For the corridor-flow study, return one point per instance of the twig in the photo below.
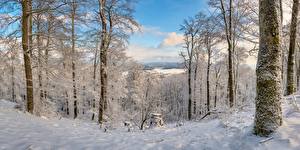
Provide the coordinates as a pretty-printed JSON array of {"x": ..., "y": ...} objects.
[
  {"x": 205, "y": 115},
  {"x": 265, "y": 140}
]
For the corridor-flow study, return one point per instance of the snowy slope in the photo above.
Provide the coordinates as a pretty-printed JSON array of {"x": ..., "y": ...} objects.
[{"x": 24, "y": 131}]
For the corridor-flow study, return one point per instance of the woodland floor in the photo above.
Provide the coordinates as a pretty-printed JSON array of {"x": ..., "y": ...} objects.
[{"x": 20, "y": 131}]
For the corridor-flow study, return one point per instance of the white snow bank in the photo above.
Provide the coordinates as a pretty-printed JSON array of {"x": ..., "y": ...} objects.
[{"x": 234, "y": 132}]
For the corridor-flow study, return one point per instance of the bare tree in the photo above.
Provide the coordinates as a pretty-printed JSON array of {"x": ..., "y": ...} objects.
[
  {"x": 191, "y": 30},
  {"x": 116, "y": 20},
  {"x": 210, "y": 33}
]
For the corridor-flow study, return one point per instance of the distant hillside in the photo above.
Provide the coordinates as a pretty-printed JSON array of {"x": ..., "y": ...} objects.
[{"x": 163, "y": 65}]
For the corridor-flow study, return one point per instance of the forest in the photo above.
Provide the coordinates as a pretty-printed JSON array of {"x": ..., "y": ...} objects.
[{"x": 70, "y": 77}]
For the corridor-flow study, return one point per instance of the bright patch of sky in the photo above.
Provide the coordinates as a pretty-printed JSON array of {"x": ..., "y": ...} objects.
[{"x": 159, "y": 39}]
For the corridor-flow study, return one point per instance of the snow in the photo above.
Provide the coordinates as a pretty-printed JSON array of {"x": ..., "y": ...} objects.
[
  {"x": 167, "y": 71},
  {"x": 228, "y": 131},
  {"x": 4, "y": 104}
]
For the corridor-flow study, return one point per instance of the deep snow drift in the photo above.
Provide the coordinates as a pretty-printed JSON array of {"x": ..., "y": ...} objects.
[{"x": 24, "y": 131}]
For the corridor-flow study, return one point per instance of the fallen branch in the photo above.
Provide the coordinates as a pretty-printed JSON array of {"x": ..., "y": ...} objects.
[
  {"x": 205, "y": 115},
  {"x": 265, "y": 140}
]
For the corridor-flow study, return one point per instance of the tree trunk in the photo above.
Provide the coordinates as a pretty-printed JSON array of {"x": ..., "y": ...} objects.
[
  {"x": 298, "y": 67},
  {"x": 26, "y": 4},
  {"x": 217, "y": 75},
  {"x": 195, "y": 83},
  {"x": 73, "y": 59},
  {"x": 190, "y": 80},
  {"x": 207, "y": 75},
  {"x": 30, "y": 28},
  {"x": 94, "y": 78},
  {"x": 65, "y": 64},
  {"x": 216, "y": 94},
  {"x": 103, "y": 62},
  {"x": 291, "y": 57},
  {"x": 200, "y": 91},
  {"x": 46, "y": 93},
  {"x": 190, "y": 91},
  {"x": 236, "y": 78},
  {"x": 268, "y": 115},
  {"x": 40, "y": 65},
  {"x": 13, "y": 94},
  {"x": 228, "y": 29}
]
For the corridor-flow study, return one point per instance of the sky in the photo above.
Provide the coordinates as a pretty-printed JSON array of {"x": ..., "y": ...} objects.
[{"x": 159, "y": 37}]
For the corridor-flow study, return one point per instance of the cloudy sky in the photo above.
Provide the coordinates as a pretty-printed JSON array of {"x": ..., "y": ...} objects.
[
  {"x": 159, "y": 38},
  {"x": 160, "y": 22}
]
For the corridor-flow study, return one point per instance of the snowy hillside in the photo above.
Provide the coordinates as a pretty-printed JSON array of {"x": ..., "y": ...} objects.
[{"x": 24, "y": 131}]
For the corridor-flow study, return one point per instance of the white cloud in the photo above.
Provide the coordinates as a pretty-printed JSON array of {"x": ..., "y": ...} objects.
[
  {"x": 172, "y": 39},
  {"x": 148, "y": 30},
  {"x": 164, "y": 46},
  {"x": 153, "y": 54}
]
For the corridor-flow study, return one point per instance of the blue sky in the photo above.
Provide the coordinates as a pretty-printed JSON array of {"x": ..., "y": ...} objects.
[{"x": 160, "y": 21}]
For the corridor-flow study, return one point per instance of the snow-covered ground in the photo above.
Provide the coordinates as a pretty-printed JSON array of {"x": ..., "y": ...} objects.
[
  {"x": 20, "y": 131},
  {"x": 167, "y": 71}
]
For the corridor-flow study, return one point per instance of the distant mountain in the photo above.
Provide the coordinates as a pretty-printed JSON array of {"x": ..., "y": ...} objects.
[{"x": 163, "y": 65}]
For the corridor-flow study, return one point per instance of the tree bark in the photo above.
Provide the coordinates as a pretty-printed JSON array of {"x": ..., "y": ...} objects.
[
  {"x": 268, "y": 115},
  {"x": 65, "y": 64},
  {"x": 26, "y": 4},
  {"x": 195, "y": 82},
  {"x": 94, "y": 78},
  {"x": 13, "y": 94},
  {"x": 40, "y": 65},
  {"x": 228, "y": 29},
  {"x": 190, "y": 79},
  {"x": 207, "y": 86},
  {"x": 46, "y": 87},
  {"x": 217, "y": 76},
  {"x": 103, "y": 62},
  {"x": 73, "y": 59},
  {"x": 291, "y": 87},
  {"x": 208, "y": 73},
  {"x": 216, "y": 91},
  {"x": 298, "y": 67}
]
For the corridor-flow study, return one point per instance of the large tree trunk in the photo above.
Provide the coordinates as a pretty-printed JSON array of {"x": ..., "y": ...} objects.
[
  {"x": 26, "y": 4},
  {"x": 268, "y": 115},
  {"x": 73, "y": 59},
  {"x": 291, "y": 57},
  {"x": 103, "y": 62}
]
